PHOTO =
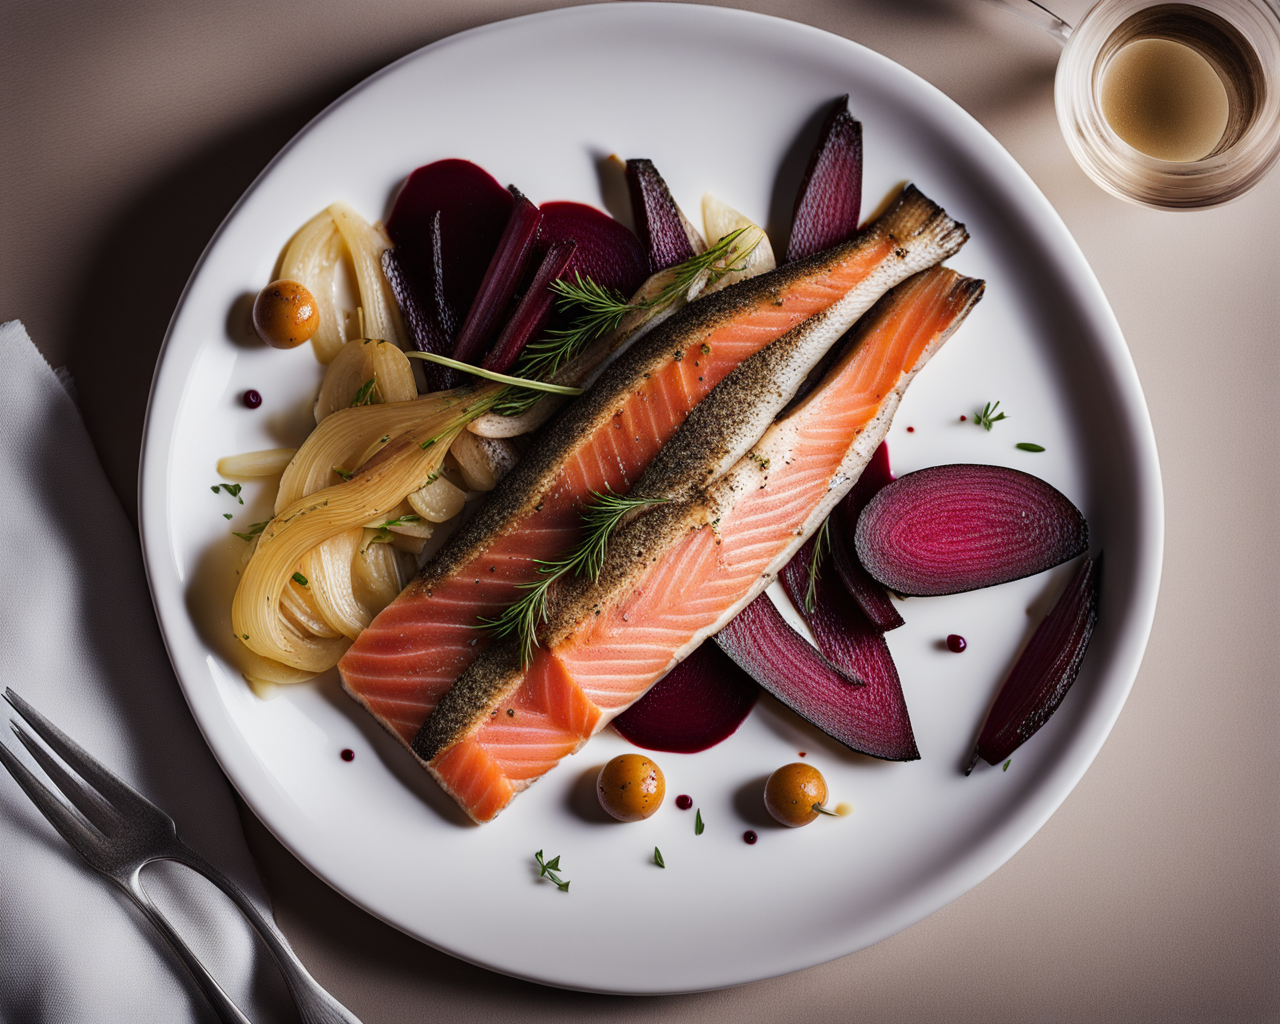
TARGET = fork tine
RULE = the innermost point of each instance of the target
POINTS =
(100, 813)
(60, 816)
(123, 797)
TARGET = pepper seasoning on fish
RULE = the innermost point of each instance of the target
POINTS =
(415, 650)
(677, 573)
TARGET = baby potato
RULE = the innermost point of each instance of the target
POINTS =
(791, 793)
(631, 787)
(285, 314)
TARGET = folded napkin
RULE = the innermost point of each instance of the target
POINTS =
(78, 639)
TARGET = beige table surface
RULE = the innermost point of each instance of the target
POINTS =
(127, 130)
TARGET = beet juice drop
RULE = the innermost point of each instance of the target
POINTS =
(956, 643)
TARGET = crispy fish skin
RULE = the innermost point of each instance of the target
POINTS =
(423, 642)
(667, 574)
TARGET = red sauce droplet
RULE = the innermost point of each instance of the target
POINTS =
(911, 430)
(348, 755)
(963, 418)
(684, 802)
(749, 837)
(803, 754)
(956, 643)
(251, 399)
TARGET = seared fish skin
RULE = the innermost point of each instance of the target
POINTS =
(416, 649)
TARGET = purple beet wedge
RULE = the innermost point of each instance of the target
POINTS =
(426, 326)
(830, 198)
(949, 529)
(468, 210)
(534, 309)
(608, 253)
(696, 705)
(661, 226)
(849, 640)
(505, 271)
(871, 597)
(1045, 670)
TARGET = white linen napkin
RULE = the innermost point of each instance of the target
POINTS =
(78, 639)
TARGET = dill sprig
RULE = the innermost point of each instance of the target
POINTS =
(253, 531)
(987, 417)
(600, 518)
(821, 546)
(548, 869)
(602, 310)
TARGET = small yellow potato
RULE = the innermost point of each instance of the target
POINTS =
(285, 314)
(791, 793)
(631, 787)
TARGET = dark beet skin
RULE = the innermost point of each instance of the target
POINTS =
(505, 272)
(656, 216)
(949, 529)
(473, 211)
(855, 646)
(534, 309)
(696, 705)
(426, 331)
(608, 253)
(871, 597)
(830, 198)
(1045, 670)
(862, 717)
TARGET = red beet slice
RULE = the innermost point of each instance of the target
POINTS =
(1045, 670)
(533, 311)
(948, 529)
(699, 703)
(830, 198)
(607, 253)
(506, 268)
(869, 595)
(657, 217)
(793, 670)
(473, 209)
(856, 647)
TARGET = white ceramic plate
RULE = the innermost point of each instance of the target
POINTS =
(719, 99)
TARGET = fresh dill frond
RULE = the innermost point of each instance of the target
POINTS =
(821, 546)
(600, 519)
(987, 418)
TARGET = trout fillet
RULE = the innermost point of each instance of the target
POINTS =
(677, 573)
(416, 649)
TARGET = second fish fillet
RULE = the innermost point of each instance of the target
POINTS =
(679, 572)
(416, 649)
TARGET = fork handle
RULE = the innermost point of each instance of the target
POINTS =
(227, 1011)
(315, 1004)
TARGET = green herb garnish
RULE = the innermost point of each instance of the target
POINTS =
(697, 823)
(600, 518)
(657, 858)
(1006, 765)
(231, 489)
(1027, 446)
(253, 530)
(299, 579)
(368, 394)
(342, 472)
(501, 378)
(226, 515)
(821, 546)
(988, 418)
(549, 869)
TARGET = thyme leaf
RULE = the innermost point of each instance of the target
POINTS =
(657, 858)
(299, 579)
(698, 826)
(986, 417)
(1027, 446)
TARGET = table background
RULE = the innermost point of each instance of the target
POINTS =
(128, 130)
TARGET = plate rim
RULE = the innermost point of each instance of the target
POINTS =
(1115, 360)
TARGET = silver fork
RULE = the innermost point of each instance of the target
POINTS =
(121, 832)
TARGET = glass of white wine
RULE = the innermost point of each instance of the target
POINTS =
(1170, 105)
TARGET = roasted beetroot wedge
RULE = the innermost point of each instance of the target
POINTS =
(948, 529)
(426, 326)
(830, 198)
(869, 595)
(608, 253)
(534, 309)
(1045, 670)
(506, 269)
(855, 646)
(663, 229)
(861, 716)
(469, 210)
(699, 703)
